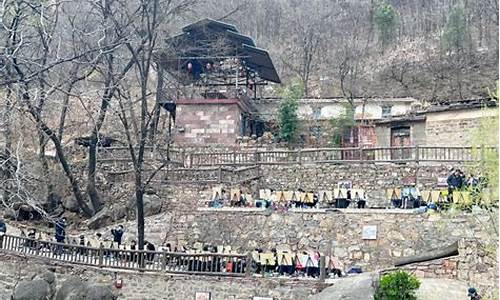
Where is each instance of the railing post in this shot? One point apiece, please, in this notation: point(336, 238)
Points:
point(234, 157)
point(360, 153)
point(248, 269)
point(164, 261)
point(299, 155)
point(322, 268)
point(191, 160)
point(417, 155)
point(101, 255)
point(219, 175)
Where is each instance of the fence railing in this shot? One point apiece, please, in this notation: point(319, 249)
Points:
point(304, 156)
point(159, 154)
point(343, 155)
point(208, 175)
point(154, 261)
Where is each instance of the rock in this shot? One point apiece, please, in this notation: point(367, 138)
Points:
point(357, 287)
point(48, 277)
point(70, 204)
point(101, 219)
point(107, 216)
point(99, 292)
point(441, 288)
point(152, 205)
point(32, 290)
point(75, 288)
point(72, 288)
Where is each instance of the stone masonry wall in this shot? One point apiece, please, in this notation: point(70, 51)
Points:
point(147, 286)
point(373, 178)
point(455, 128)
point(338, 233)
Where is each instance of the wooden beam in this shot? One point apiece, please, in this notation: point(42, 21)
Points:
point(448, 251)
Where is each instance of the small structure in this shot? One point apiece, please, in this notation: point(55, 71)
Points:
point(220, 72)
point(447, 123)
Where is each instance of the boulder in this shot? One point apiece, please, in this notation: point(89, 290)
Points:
point(442, 288)
point(72, 288)
point(356, 287)
point(32, 290)
point(153, 205)
point(48, 277)
point(75, 288)
point(107, 216)
point(99, 292)
point(70, 204)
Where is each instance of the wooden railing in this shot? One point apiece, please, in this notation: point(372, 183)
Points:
point(343, 155)
point(154, 261)
point(208, 175)
point(304, 156)
point(159, 154)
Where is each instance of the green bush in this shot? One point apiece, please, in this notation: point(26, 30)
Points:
point(288, 110)
point(398, 285)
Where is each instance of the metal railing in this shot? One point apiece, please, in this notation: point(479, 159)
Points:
point(304, 156)
point(139, 260)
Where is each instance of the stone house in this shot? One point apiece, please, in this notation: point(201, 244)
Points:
point(445, 124)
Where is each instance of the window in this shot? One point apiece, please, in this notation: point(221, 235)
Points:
point(386, 111)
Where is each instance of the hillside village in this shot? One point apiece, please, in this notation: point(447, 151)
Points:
point(249, 150)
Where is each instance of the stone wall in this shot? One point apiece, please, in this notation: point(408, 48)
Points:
point(372, 177)
point(147, 286)
point(339, 233)
point(455, 128)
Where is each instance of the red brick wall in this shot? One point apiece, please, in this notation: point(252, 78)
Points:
point(207, 123)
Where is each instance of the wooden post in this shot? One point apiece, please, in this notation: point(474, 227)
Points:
point(101, 255)
point(360, 152)
point(299, 155)
point(248, 269)
point(234, 157)
point(417, 155)
point(322, 268)
point(219, 175)
point(164, 261)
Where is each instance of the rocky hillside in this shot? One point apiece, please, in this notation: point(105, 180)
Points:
point(424, 49)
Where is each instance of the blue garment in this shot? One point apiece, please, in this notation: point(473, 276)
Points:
point(454, 181)
point(60, 231)
point(432, 205)
point(117, 235)
point(3, 227)
point(355, 270)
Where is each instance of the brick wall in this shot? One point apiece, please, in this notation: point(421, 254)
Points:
point(207, 123)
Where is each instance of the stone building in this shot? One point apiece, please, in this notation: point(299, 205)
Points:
point(221, 71)
point(447, 124)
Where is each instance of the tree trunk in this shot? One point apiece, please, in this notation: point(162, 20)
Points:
point(7, 135)
point(139, 202)
point(51, 205)
point(91, 186)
